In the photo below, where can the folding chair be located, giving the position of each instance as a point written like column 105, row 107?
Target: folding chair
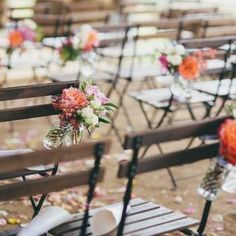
column 44, row 186
column 136, row 141
column 28, row 112
column 223, row 87
column 144, row 217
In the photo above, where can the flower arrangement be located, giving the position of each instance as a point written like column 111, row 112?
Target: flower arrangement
column 83, row 42
column 217, row 175
column 80, row 108
column 171, row 56
column 24, row 31
column 175, row 60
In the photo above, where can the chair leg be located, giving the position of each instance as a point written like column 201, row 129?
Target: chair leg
column 204, row 218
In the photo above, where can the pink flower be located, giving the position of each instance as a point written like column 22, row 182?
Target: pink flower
column 93, row 90
column 164, row 61
column 27, row 33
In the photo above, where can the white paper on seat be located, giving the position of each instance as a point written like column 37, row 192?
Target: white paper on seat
column 47, row 219
column 105, row 221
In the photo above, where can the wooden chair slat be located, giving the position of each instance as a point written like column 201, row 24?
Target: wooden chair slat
column 45, row 157
column 206, row 42
column 154, row 221
column 226, row 30
column 157, row 211
column 45, row 185
column 24, row 172
column 198, row 128
column 21, row 113
column 168, row 227
column 171, row 159
column 38, row 90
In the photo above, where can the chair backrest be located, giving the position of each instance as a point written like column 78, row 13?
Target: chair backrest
column 49, row 184
column 11, row 164
column 137, row 140
column 217, row 27
column 31, row 91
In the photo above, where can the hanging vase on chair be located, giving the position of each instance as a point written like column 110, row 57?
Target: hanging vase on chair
column 176, row 87
column 213, row 180
column 57, row 137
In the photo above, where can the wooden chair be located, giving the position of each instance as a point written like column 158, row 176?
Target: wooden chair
column 136, row 141
column 223, row 87
column 147, row 218
column 13, row 164
column 28, row 112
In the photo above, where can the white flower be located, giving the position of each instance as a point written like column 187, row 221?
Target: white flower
column 174, row 60
column 95, row 104
column 94, row 120
column 83, row 34
column 179, row 49
column 88, row 121
column 86, row 28
column 169, row 49
column 87, row 112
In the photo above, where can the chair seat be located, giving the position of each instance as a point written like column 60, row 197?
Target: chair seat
column 144, row 218
column 159, row 98
column 140, row 71
column 67, row 76
column 215, row 66
column 211, row 87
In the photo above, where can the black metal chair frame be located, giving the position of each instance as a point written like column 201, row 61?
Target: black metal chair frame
column 141, row 139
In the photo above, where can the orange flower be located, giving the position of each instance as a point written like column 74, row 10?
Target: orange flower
column 189, row 69
column 227, row 135
column 15, row 38
column 92, row 40
column 70, row 101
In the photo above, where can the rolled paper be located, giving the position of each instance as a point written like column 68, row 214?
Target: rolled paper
column 105, row 221
column 47, row 219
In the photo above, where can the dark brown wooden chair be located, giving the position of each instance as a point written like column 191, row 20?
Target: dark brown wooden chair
column 90, row 177
column 136, row 141
column 27, row 112
column 147, row 218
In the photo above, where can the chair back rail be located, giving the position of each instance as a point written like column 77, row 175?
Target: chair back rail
column 207, row 42
column 37, row 90
column 51, row 183
column 158, row 162
column 172, row 133
column 45, row 157
column 21, row 113
column 46, row 185
column 31, row 91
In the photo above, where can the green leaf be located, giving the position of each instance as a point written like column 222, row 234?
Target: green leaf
column 110, row 104
column 104, row 120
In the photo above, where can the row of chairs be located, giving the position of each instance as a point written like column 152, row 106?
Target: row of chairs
column 144, row 218
column 12, row 167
